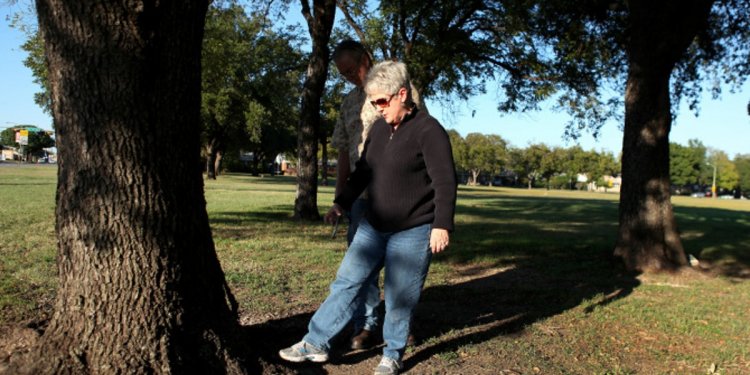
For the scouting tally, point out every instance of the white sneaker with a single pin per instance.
(303, 351)
(388, 366)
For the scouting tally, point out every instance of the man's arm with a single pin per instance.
(342, 170)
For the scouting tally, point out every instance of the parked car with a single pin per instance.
(726, 196)
(698, 194)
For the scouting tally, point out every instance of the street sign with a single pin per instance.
(23, 138)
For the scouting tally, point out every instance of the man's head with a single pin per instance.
(353, 61)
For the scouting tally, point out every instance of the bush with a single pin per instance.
(560, 182)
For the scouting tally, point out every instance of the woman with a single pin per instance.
(407, 169)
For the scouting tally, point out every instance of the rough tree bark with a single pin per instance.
(659, 34)
(140, 289)
(320, 24)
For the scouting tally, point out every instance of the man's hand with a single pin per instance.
(334, 213)
(439, 240)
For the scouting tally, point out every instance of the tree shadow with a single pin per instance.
(285, 332)
(511, 269)
(487, 303)
(516, 261)
(720, 239)
(242, 224)
(502, 302)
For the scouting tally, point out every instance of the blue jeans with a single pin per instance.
(366, 315)
(406, 257)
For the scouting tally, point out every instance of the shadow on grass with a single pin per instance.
(719, 238)
(518, 260)
(241, 224)
(486, 303)
(269, 179)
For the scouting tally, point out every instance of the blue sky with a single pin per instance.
(723, 124)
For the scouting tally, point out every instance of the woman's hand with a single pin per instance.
(438, 240)
(333, 214)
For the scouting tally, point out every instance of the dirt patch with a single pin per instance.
(15, 341)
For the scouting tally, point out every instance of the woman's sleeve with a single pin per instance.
(438, 158)
(357, 182)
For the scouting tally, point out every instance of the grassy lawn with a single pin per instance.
(526, 286)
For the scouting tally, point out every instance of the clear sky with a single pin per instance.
(723, 124)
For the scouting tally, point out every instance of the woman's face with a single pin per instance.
(354, 70)
(390, 105)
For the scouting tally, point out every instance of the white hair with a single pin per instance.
(389, 77)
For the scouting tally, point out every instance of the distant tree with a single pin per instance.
(500, 146)
(38, 141)
(483, 154)
(528, 162)
(686, 163)
(604, 164)
(460, 152)
(726, 172)
(249, 86)
(742, 164)
(552, 164)
(8, 138)
(319, 20)
(574, 163)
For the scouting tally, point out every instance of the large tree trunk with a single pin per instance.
(659, 33)
(320, 23)
(140, 289)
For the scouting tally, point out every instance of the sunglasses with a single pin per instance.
(382, 102)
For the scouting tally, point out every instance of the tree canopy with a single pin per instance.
(727, 177)
(250, 83)
(742, 163)
(686, 163)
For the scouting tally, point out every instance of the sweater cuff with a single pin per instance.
(446, 224)
(344, 201)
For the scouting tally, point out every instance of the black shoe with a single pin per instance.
(365, 339)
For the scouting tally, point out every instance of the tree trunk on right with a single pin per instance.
(659, 34)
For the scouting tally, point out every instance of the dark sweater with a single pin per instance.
(410, 176)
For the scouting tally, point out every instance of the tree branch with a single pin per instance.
(342, 5)
(306, 13)
(402, 29)
(418, 20)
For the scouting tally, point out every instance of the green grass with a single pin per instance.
(526, 285)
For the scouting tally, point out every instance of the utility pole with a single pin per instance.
(713, 184)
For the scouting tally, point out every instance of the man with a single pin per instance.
(354, 62)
